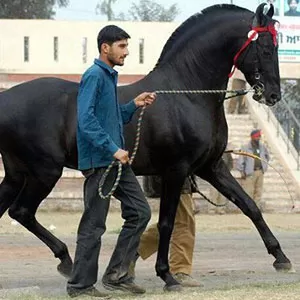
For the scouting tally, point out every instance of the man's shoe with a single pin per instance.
(91, 292)
(124, 286)
(186, 280)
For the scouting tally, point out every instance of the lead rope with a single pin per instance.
(256, 90)
(243, 153)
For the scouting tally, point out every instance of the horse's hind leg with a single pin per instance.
(226, 184)
(23, 210)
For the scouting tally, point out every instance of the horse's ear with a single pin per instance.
(262, 11)
(270, 10)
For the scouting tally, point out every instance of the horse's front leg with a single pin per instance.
(226, 184)
(170, 195)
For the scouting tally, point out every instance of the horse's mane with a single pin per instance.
(184, 32)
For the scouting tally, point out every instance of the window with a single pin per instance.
(26, 48)
(141, 51)
(84, 50)
(55, 48)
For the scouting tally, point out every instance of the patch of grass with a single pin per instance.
(115, 231)
(66, 223)
(247, 292)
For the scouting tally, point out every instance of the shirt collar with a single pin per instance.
(103, 65)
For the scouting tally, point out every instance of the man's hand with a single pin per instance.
(122, 156)
(145, 98)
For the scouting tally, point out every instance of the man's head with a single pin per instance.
(293, 4)
(255, 135)
(112, 45)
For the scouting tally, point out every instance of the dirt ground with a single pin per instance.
(229, 252)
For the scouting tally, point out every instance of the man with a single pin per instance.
(99, 141)
(293, 6)
(252, 170)
(182, 241)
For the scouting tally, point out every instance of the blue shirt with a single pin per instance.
(100, 117)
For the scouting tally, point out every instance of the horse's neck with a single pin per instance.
(207, 60)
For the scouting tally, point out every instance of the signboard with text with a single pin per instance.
(287, 12)
(289, 41)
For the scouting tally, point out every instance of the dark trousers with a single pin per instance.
(135, 212)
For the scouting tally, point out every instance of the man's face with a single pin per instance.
(293, 5)
(255, 139)
(117, 52)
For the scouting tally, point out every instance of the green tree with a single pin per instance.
(150, 11)
(104, 7)
(29, 9)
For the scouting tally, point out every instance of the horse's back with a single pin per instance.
(39, 116)
(40, 87)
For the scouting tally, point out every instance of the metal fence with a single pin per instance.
(285, 116)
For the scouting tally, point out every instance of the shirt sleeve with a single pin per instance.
(127, 111)
(88, 123)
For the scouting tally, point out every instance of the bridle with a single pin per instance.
(252, 37)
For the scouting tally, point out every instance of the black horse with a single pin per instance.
(181, 133)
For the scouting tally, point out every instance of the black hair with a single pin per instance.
(110, 34)
(289, 2)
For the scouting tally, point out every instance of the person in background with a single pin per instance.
(182, 241)
(215, 195)
(237, 104)
(253, 169)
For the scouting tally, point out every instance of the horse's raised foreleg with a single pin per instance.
(225, 183)
(23, 210)
(170, 195)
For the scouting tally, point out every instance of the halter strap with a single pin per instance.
(254, 32)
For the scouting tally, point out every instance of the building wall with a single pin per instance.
(70, 35)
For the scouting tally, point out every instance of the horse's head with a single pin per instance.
(258, 57)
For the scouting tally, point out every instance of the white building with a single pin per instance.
(34, 48)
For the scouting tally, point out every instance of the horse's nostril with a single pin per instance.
(274, 98)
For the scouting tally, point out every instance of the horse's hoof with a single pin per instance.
(283, 267)
(65, 269)
(173, 288)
